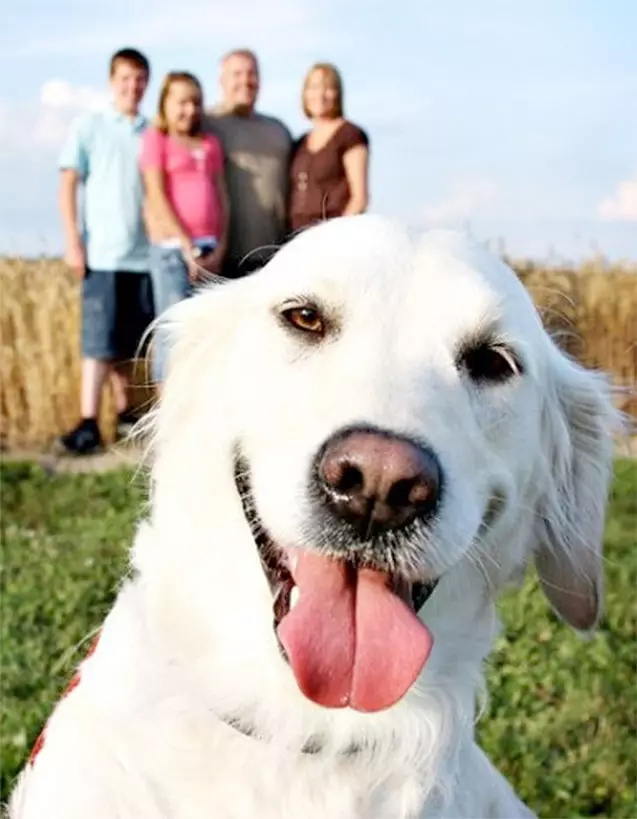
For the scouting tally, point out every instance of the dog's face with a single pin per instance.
(371, 435)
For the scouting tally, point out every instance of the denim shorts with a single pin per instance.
(171, 284)
(117, 309)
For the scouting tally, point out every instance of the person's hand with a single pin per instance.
(192, 263)
(75, 257)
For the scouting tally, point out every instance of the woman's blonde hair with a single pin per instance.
(172, 77)
(332, 75)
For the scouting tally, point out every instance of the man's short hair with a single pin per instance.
(131, 56)
(241, 52)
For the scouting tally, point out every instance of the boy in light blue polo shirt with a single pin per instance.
(107, 248)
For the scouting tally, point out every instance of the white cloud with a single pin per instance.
(31, 135)
(42, 125)
(622, 205)
(61, 94)
(466, 198)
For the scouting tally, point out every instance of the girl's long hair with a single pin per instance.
(172, 77)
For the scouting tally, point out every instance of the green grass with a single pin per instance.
(561, 722)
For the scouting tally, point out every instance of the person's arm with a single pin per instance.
(74, 168)
(74, 252)
(215, 259)
(223, 198)
(355, 163)
(160, 207)
(152, 170)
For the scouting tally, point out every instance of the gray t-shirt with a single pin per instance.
(257, 150)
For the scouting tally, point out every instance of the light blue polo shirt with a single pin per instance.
(103, 147)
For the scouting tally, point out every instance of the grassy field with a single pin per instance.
(561, 723)
(591, 309)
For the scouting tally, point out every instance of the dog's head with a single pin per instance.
(357, 447)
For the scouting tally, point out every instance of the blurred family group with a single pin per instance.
(151, 209)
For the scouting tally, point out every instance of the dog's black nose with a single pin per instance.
(378, 481)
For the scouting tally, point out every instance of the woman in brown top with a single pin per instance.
(328, 174)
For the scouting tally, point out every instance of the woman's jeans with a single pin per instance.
(171, 284)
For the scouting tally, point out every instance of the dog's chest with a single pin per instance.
(243, 783)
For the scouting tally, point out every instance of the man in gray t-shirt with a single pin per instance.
(257, 150)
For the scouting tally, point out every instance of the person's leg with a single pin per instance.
(94, 373)
(134, 315)
(171, 284)
(120, 385)
(98, 317)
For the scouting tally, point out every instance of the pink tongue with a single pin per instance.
(350, 640)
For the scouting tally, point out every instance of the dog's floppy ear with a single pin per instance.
(202, 326)
(199, 333)
(578, 424)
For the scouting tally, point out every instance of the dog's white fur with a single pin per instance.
(190, 638)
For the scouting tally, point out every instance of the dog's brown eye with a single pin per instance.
(490, 363)
(307, 319)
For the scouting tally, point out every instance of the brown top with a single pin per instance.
(257, 150)
(318, 184)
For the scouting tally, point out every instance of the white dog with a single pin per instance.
(356, 449)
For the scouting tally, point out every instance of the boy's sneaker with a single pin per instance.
(125, 422)
(84, 439)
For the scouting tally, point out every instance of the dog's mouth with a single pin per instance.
(348, 630)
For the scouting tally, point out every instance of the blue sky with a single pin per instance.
(516, 119)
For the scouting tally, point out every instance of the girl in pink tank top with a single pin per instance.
(186, 197)
(186, 206)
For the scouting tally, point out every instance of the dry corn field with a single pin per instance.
(591, 310)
